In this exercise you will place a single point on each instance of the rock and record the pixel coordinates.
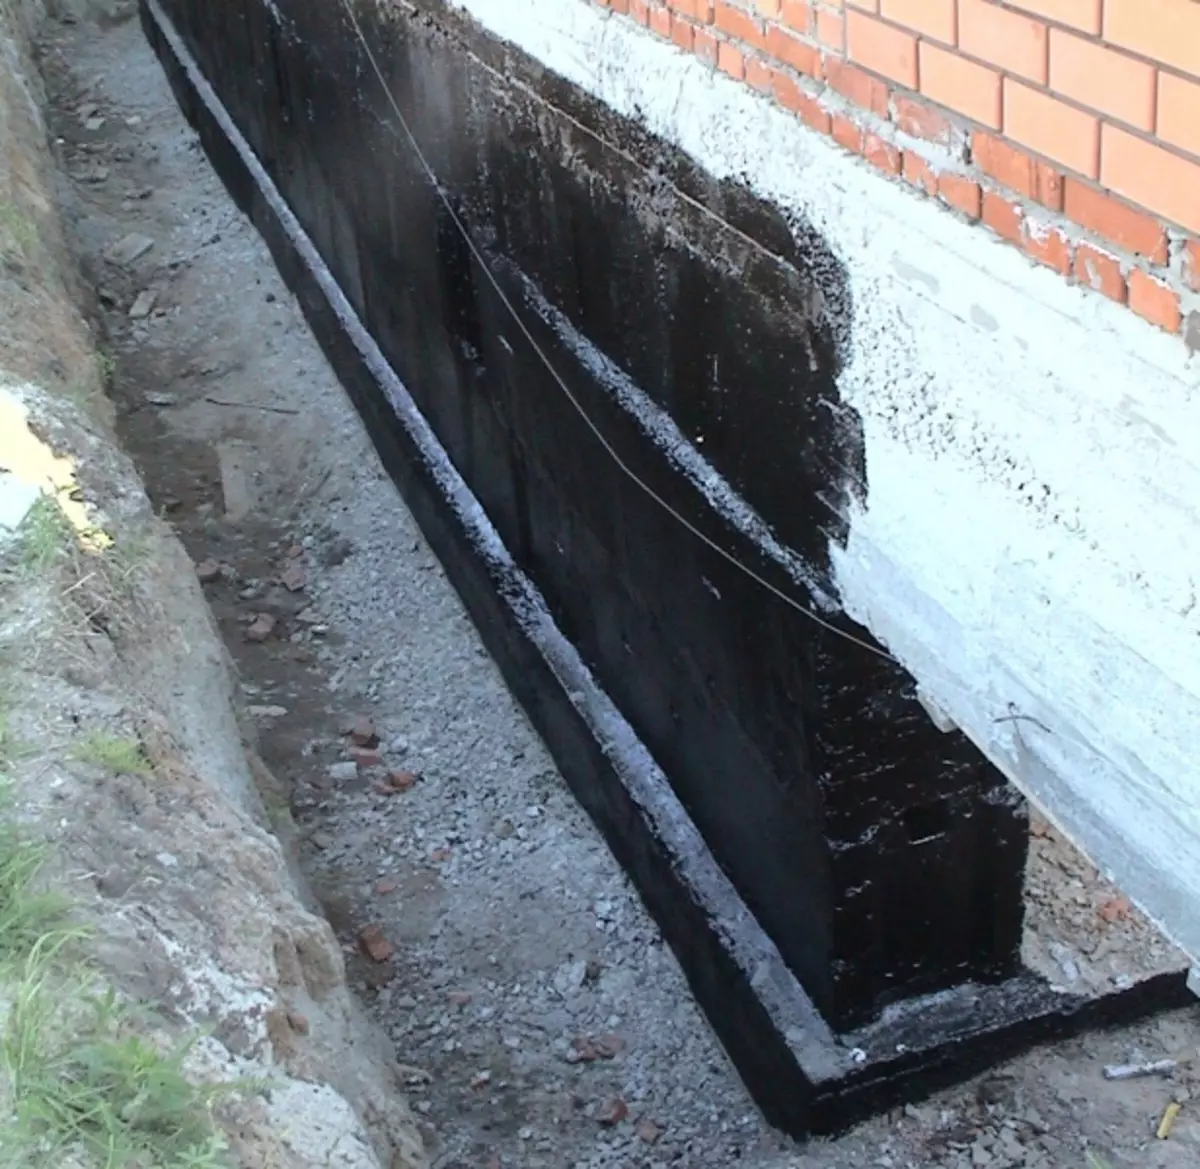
(384, 887)
(1116, 909)
(365, 757)
(362, 732)
(266, 711)
(129, 248)
(648, 1132)
(95, 123)
(337, 552)
(235, 460)
(261, 628)
(608, 1046)
(208, 571)
(321, 840)
(614, 1112)
(373, 944)
(459, 998)
(570, 977)
(298, 1023)
(398, 781)
(377, 977)
(293, 578)
(343, 772)
(143, 304)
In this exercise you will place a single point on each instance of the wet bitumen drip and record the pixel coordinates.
(703, 335)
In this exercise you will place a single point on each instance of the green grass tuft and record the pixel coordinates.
(122, 755)
(44, 536)
(77, 1081)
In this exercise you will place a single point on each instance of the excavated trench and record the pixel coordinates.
(700, 334)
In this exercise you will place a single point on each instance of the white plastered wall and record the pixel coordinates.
(1030, 545)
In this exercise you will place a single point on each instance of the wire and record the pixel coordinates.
(609, 449)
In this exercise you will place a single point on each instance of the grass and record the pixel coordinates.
(18, 233)
(120, 754)
(80, 1083)
(44, 537)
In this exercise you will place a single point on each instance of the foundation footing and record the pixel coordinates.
(804, 1077)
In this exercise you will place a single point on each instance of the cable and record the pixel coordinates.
(609, 449)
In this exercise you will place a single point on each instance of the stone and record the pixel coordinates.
(208, 571)
(293, 578)
(373, 943)
(143, 304)
(343, 772)
(129, 248)
(261, 628)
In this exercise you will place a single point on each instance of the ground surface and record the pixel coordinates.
(510, 938)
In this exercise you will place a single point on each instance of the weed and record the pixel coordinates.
(44, 536)
(28, 914)
(18, 233)
(75, 1076)
(122, 755)
(82, 1079)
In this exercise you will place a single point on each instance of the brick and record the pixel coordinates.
(962, 85)
(1163, 30)
(881, 154)
(681, 34)
(1100, 271)
(759, 74)
(1003, 162)
(767, 8)
(847, 133)
(1081, 14)
(639, 10)
(660, 21)
(789, 95)
(865, 5)
(831, 30)
(737, 23)
(1144, 173)
(1154, 300)
(916, 170)
(1003, 216)
(704, 45)
(960, 193)
(730, 60)
(854, 85)
(933, 18)
(882, 49)
(1104, 79)
(699, 11)
(1008, 40)
(1191, 265)
(1048, 245)
(796, 15)
(1048, 186)
(1052, 128)
(1134, 231)
(1179, 112)
(920, 120)
(791, 50)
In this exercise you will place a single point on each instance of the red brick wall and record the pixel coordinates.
(1071, 128)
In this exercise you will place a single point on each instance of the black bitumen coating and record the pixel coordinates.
(844, 845)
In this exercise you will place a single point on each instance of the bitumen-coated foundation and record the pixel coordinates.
(840, 881)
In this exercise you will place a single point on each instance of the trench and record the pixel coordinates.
(715, 696)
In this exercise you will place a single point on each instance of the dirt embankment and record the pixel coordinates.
(132, 778)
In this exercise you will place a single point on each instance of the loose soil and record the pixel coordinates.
(490, 933)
